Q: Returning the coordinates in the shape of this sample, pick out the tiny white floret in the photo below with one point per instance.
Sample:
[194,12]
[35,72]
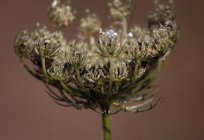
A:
[111,34]
[130,34]
[55,3]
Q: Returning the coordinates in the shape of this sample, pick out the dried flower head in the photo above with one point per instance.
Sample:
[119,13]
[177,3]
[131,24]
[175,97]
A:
[23,45]
[121,9]
[113,75]
[61,13]
[39,43]
[89,25]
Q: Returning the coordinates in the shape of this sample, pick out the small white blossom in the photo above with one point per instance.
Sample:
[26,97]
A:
[130,34]
[55,3]
[111,34]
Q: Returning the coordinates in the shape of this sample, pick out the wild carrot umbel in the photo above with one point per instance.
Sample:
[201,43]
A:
[108,74]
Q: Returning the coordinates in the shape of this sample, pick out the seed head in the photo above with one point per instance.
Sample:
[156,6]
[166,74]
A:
[117,73]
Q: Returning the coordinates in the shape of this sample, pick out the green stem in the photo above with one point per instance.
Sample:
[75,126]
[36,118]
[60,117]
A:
[106,127]
[79,79]
[92,42]
[44,67]
[69,90]
[111,75]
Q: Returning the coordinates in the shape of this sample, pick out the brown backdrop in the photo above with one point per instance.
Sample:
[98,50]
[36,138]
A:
[27,113]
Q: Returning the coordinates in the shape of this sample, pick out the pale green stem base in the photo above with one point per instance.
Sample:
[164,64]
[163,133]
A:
[106,127]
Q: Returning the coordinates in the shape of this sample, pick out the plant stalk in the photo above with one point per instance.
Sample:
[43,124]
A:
[124,26]
[44,67]
[106,127]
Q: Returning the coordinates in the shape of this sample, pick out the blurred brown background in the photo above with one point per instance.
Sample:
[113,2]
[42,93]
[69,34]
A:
[28,113]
